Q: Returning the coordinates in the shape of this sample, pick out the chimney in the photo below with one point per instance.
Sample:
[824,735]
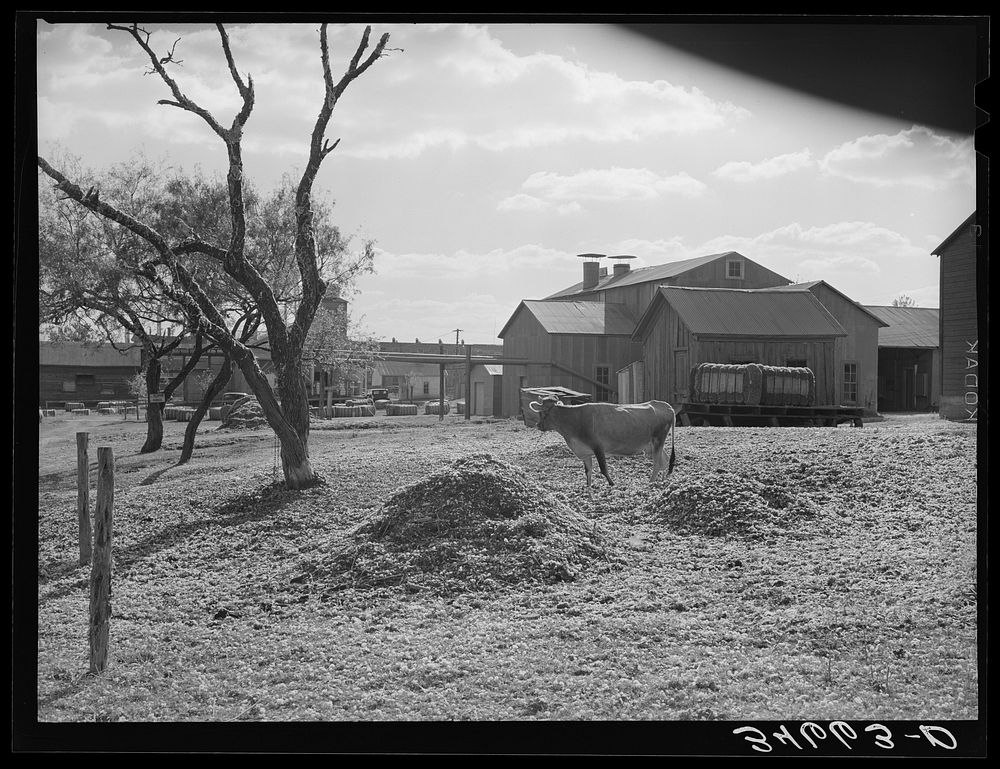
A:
[591,269]
[622,266]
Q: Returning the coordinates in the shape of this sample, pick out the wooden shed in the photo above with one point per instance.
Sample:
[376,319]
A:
[959,322]
[84,373]
[578,345]
[909,358]
[856,358]
[684,327]
[486,383]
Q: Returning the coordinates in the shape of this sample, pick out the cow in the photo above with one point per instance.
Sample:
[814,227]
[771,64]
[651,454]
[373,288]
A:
[599,429]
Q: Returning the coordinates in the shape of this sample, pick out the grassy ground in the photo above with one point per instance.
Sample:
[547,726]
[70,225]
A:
[808,573]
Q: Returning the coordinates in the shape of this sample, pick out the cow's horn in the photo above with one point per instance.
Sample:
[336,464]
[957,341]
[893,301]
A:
[536,403]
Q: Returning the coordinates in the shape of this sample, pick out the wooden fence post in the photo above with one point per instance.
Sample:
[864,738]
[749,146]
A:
[100,571]
[83,494]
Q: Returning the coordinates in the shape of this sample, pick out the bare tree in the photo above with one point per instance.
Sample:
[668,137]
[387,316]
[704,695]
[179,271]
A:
[904,301]
[287,408]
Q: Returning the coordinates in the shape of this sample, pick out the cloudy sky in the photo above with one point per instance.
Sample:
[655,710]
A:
[482,158]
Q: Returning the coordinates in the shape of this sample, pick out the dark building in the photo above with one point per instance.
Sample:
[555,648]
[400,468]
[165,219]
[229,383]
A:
[909,358]
[84,373]
[959,323]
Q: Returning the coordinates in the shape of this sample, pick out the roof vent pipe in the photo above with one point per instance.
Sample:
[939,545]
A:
[591,269]
[621,265]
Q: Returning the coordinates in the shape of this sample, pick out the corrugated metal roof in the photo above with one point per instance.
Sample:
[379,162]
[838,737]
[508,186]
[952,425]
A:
[643,275]
[80,354]
[918,327]
[493,370]
[747,312]
[809,285]
[582,317]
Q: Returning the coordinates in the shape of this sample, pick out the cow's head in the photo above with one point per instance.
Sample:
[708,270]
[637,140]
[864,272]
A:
[543,408]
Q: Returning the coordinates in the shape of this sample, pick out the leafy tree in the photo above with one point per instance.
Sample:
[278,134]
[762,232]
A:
[286,407]
[903,301]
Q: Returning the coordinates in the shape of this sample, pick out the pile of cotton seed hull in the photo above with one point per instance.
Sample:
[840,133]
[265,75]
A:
[724,503]
[476,525]
[246,414]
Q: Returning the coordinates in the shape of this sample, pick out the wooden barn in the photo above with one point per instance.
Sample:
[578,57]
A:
[636,288]
[959,323]
[83,373]
[857,354]
[578,345]
[486,383]
[909,358]
[684,327]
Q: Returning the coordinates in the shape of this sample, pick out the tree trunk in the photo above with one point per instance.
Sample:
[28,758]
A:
[288,425]
[295,409]
[217,386]
[154,411]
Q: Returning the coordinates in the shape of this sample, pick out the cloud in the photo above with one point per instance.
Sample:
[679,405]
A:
[611,184]
[494,99]
[562,193]
[915,157]
[743,171]
[531,204]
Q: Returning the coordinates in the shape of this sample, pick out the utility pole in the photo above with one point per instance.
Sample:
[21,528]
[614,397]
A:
[457,330]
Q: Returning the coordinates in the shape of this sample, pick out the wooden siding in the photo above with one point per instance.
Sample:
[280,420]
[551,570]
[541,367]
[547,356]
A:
[581,353]
[959,328]
[712,275]
[670,351]
[109,383]
[860,346]
[819,355]
[525,338]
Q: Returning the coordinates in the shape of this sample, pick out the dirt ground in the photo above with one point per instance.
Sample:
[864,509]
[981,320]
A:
[778,573]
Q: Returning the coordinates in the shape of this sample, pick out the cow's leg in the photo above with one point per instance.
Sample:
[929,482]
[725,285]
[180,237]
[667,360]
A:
[602,463]
[659,460]
[588,465]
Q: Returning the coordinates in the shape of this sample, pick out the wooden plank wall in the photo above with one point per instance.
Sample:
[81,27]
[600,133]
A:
[959,328]
[110,383]
[860,346]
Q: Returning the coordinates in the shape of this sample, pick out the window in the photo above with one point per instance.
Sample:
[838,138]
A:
[734,269]
[85,380]
[850,383]
[427,388]
[603,376]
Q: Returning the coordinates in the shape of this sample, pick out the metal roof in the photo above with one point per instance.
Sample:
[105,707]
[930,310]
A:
[578,317]
[918,327]
[733,312]
[81,354]
[493,370]
[644,275]
[810,285]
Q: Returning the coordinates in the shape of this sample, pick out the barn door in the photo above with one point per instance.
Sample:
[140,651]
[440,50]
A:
[680,393]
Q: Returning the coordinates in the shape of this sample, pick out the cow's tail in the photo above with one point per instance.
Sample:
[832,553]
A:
[673,434]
